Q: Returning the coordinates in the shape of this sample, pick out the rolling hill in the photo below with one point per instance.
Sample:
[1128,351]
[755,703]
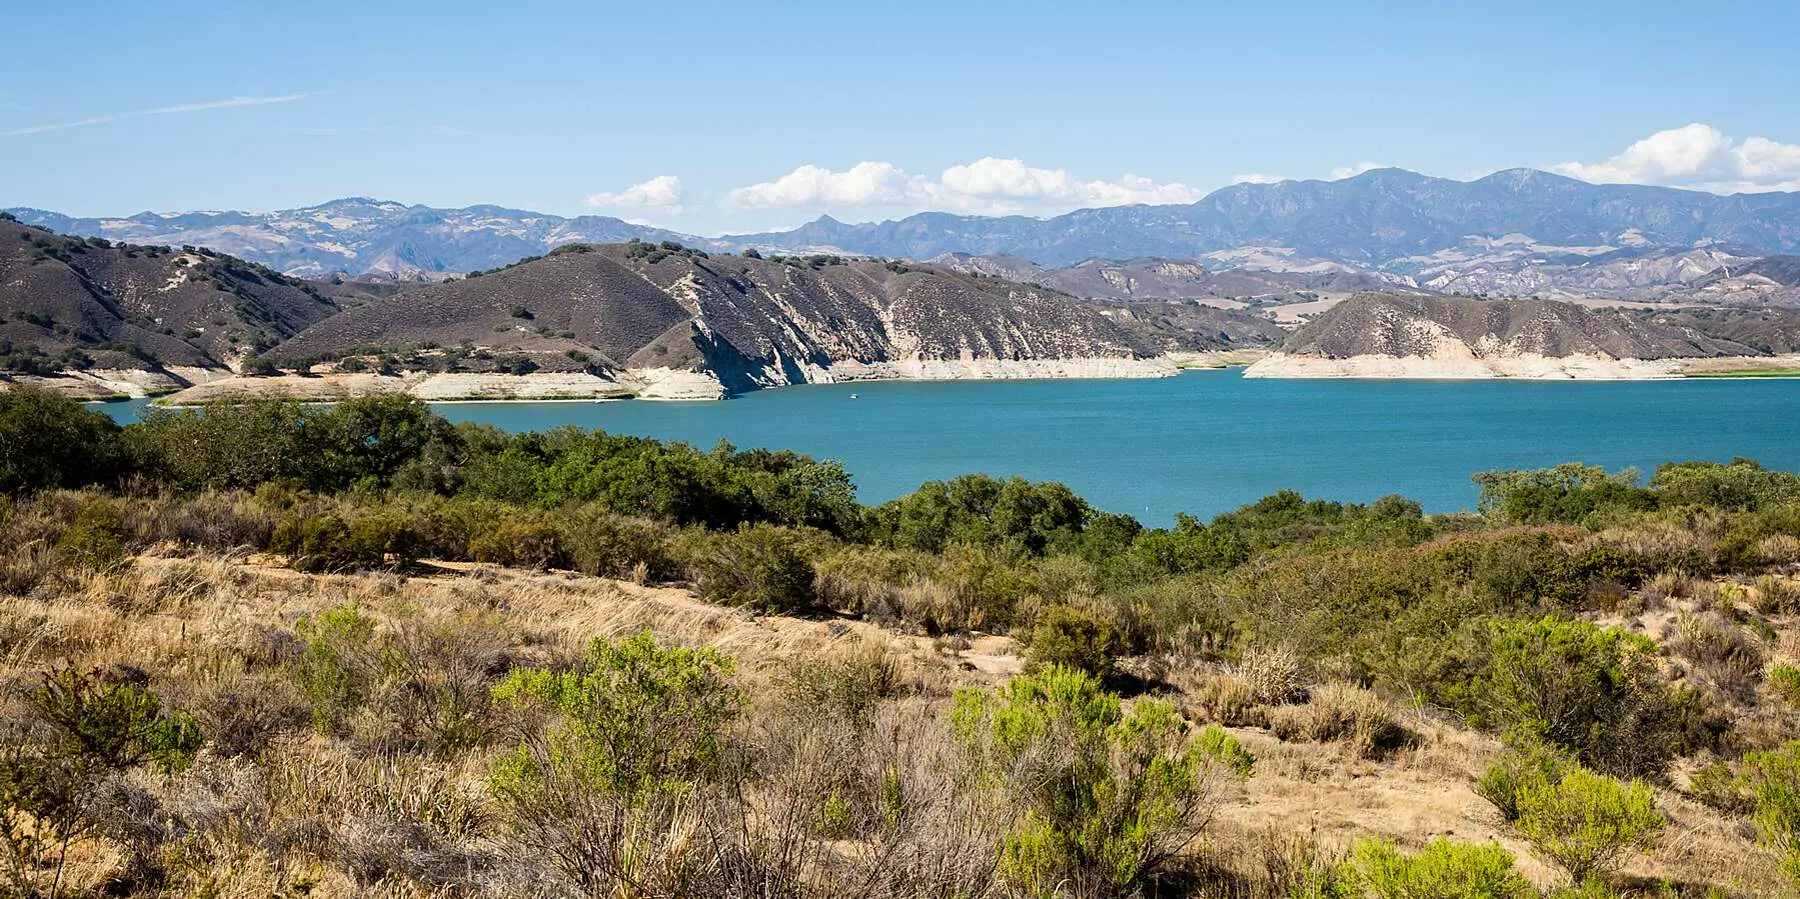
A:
[751,322]
[70,302]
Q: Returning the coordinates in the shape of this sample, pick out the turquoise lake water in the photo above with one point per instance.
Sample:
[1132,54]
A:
[1206,442]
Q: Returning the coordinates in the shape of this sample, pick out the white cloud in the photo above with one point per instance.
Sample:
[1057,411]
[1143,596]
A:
[228,103]
[993,179]
[988,185]
[1351,171]
[662,191]
[1337,174]
[863,184]
[1698,156]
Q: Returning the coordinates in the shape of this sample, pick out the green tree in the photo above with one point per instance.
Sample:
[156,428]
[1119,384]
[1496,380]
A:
[366,440]
[225,447]
[1105,798]
[48,441]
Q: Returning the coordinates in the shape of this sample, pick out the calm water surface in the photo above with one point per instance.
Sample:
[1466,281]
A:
[1207,442]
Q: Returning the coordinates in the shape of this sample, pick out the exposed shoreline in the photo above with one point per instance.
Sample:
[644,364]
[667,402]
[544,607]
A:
[204,386]
[196,386]
[1519,367]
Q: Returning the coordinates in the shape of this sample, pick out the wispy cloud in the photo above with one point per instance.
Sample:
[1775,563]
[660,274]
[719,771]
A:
[228,103]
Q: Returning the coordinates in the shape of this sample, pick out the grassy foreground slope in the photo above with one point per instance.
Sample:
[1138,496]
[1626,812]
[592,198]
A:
[281,650]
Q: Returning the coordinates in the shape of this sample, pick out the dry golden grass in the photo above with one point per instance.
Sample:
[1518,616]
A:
[344,816]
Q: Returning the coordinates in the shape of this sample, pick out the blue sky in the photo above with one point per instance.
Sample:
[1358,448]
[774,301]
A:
[711,117]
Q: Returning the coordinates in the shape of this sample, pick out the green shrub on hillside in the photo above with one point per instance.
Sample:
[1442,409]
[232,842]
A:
[1075,638]
[1586,822]
[91,730]
[327,542]
[1013,514]
[1107,798]
[96,538]
[1774,779]
[339,664]
[1566,493]
[637,733]
[1442,869]
[1523,766]
[1591,691]
[761,567]
[1784,680]
[1740,485]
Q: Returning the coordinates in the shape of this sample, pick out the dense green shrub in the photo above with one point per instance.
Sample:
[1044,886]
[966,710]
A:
[47,441]
[1740,485]
[632,718]
[364,441]
[1784,680]
[1107,798]
[979,510]
[1720,786]
[1567,493]
[637,735]
[761,567]
[1586,822]
[1593,692]
[1522,766]
[598,542]
[1443,869]
[1075,638]
[326,541]
[96,538]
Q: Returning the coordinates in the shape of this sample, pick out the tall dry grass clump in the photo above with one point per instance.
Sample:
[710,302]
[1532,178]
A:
[1342,713]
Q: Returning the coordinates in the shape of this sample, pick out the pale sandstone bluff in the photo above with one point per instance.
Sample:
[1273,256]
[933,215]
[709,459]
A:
[1576,368]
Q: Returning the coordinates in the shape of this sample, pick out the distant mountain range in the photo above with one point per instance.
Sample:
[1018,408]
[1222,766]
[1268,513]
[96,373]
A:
[360,236]
[1389,219]
[1517,232]
[71,302]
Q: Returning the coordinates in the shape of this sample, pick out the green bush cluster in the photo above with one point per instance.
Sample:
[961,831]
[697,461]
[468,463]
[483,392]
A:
[1108,796]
